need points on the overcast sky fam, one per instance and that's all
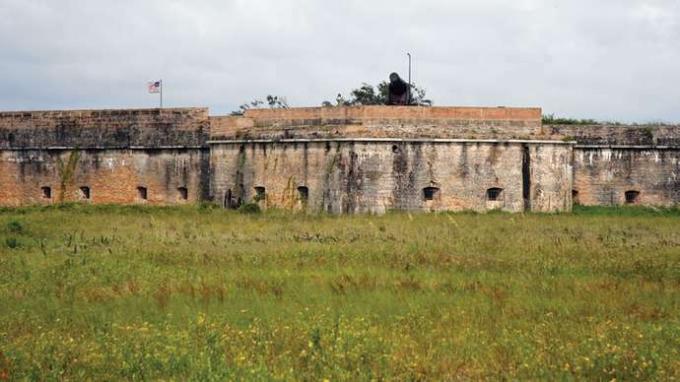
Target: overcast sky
(604, 59)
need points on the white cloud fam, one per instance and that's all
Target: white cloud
(611, 59)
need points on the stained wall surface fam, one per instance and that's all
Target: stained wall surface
(337, 159)
(112, 155)
(603, 175)
(185, 127)
(109, 176)
(381, 122)
(377, 176)
(618, 135)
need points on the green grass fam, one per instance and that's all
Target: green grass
(197, 293)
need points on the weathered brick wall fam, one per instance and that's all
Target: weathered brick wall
(651, 134)
(112, 176)
(602, 175)
(381, 121)
(353, 159)
(112, 152)
(188, 127)
(369, 176)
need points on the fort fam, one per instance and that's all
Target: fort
(359, 159)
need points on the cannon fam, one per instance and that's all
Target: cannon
(398, 91)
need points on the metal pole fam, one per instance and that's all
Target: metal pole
(408, 100)
(161, 81)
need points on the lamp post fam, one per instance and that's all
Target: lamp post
(408, 94)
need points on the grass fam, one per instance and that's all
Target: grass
(550, 119)
(196, 293)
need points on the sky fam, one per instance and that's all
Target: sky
(615, 60)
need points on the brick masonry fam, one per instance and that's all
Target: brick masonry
(337, 159)
(603, 175)
(112, 176)
(375, 177)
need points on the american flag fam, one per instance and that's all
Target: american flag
(154, 86)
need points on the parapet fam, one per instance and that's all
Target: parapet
(151, 128)
(381, 122)
(657, 135)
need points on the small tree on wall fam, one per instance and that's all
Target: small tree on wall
(271, 101)
(367, 94)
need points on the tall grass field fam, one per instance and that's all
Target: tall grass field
(196, 293)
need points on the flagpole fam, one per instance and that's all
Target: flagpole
(161, 81)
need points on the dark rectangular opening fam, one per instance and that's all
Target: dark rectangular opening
(183, 193)
(632, 196)
(494, 194)
(46, 192)
(85, 192)
(142, 193)
(429, 193)
(260, 193)
(303, 193)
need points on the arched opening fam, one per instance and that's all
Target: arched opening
(183, 193)
(303, 193)
(494, 194)
(142, 193)
(46, 192)
(430, 193)
(260, 193)
(85, 192)
(632, 197)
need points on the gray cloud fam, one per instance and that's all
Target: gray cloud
(611, 59)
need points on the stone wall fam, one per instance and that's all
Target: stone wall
(109, 176)
(52, 156)
(188, 127)
(603, 175)
(374, 176)
(381, 122)
(337, 159)
(619, 135)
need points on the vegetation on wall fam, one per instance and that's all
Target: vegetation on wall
(66, 172)
(550, 119)
(271, 102)
(367, 94)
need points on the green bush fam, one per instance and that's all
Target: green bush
(12, 243)
(249, 208)
(15, 226)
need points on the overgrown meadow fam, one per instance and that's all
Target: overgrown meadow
(195, 293)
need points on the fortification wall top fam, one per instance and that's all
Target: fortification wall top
(608, 134)
(104, 128)
(381, 121)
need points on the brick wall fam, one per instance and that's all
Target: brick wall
(381, 121)
(111, 176)
(105, 128)
(650, 134)
(365, 176)
(602, 175)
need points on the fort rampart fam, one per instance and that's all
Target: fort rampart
(336, 159)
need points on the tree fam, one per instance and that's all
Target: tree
(272, 101)
(366, 94)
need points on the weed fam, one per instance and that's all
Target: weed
(249, 208)
(196, 293)
(15, 226)
(12, 243)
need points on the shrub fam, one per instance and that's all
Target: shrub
(15, 226)
(12, 243)
(249, 208)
